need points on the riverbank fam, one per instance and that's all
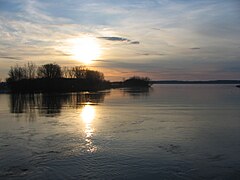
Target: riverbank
(57, 85)
(42, 85)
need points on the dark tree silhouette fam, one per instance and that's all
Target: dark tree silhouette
(94, 75)
(79, 72)
(52, 78)
(30, 70)
(136, 81)
(49, 71)
(17, 73)
(67, 72)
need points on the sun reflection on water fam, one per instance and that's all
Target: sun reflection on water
(88, 114)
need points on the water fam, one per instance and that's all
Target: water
(166, 132)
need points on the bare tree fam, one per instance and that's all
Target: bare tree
(67, 72)
(49, 71)
(70, 73)
(30, 70)
(79, 72)
(17, 73)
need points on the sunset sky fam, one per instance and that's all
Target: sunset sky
(161, 39)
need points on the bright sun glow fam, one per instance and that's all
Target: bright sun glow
(88, 113)
(85, 49)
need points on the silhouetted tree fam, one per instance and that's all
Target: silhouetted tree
(51, 78)
(30, 69)
(67, 72)
(94, 75)
(137, 81)
(49, 71)
(17, 73)
(79, 72)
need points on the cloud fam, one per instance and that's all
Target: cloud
(195, 48)
(158, 29)
(134, 42)
(103, 60)
(151, 54)
(120, 39)
(143, 54)
(115, 39)
(10, 57)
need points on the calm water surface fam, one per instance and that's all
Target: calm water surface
(166, 132)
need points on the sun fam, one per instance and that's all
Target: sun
(85, 49)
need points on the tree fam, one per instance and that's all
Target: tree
(49, 71)
(136, 81)
(30, 70)
(17, 73)
(79, 72)
(67, 72)
(94, 75)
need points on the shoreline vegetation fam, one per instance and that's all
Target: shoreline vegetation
(54, 78)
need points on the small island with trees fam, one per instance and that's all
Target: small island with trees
(53, 78)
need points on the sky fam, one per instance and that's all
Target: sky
(161, 39)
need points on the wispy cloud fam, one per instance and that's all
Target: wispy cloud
(115, 39)
(151, 54)
(11, 58)
(195, 48)
(120, 39)
(134, 42)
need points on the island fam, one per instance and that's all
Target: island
(54, 78)
(51, 77)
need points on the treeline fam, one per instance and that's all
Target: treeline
(53, 78)
(51, 71)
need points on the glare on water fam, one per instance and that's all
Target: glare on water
(87, 115)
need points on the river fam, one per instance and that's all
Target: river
(165, 132)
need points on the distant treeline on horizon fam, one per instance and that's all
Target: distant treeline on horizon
(197, 82)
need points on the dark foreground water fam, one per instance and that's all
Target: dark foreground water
(167, 132)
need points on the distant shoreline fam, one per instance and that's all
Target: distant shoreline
(197, 82)
(4, 89)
